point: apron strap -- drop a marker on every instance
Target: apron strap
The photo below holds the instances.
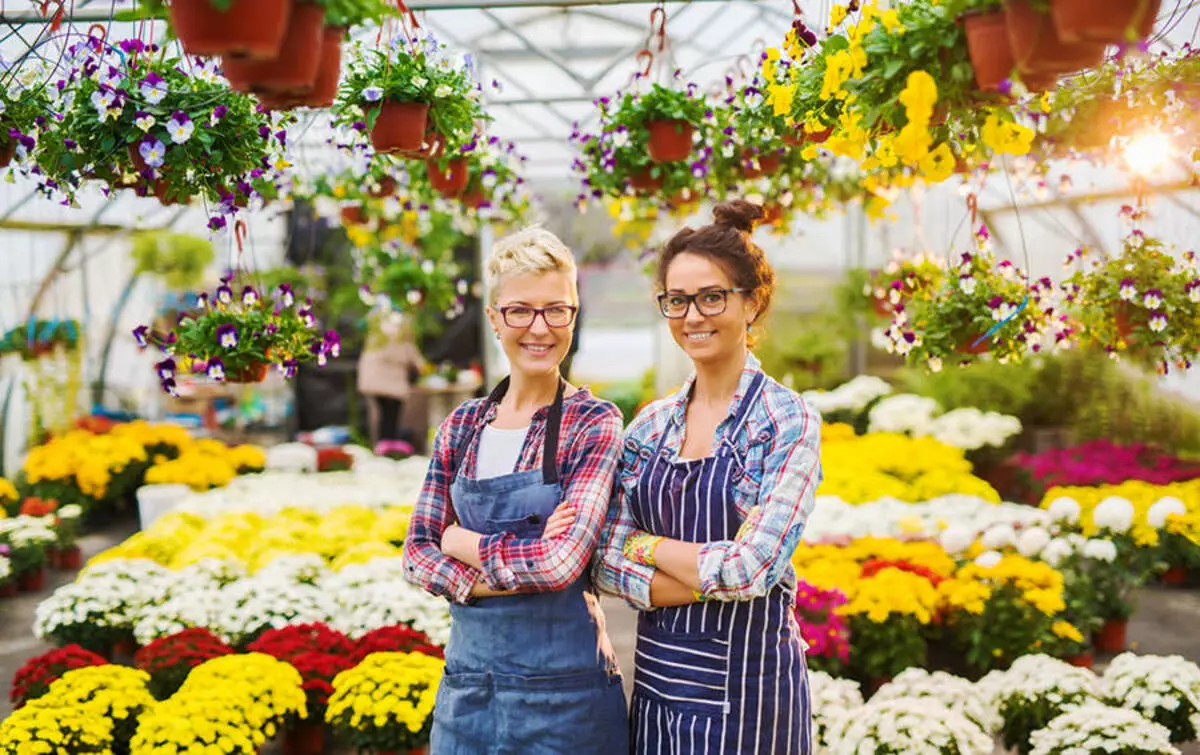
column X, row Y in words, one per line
column 553, row 428
column 743, row 413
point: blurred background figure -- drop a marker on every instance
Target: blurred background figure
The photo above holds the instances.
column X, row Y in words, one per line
column 390, row 365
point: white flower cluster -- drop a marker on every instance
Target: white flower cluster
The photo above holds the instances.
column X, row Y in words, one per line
column 853, row 396
column 832, row 698
column 1163, row 689
column 375, row 594
column 20, row 531
column 953, row 692
column 1096, row 727
column 269, row 493
column 905, row 413
column 252, row 605
column 956, row 520
column 967, row 428
column 112, row 594
column 1037, row 680
column 5, row 569
column 905, row 726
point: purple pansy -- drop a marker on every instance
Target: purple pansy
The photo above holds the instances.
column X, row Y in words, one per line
column 227, row 336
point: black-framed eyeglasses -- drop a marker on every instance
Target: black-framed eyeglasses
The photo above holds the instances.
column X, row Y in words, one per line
column 521, row 316
column 710, row 302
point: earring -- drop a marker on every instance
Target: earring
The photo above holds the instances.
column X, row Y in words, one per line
column 749, row 327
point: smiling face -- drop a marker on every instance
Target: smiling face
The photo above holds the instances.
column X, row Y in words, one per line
column 715, row 337
column 538, row 349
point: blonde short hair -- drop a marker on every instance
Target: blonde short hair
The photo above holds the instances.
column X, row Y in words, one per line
column 529, row 251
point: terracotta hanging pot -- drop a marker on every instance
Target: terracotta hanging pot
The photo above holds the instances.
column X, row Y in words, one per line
column 324, row 89
column 400, row 127
column 643, row 182
column 1112, row 636
column 354, row 215
column 670, row 141
column 294, row 69
column 473, row 197
column 1036, row 46
column 387, row 187
column 975, row 344
column 251, row 372
column 987, row 44
column 8, row 149
column 756, row 164
column 451, row 180
column 1112, row 22
column 1123, row 315
column 1039, row 82
column 772, row 214
column 250, row 28
column 167, row 194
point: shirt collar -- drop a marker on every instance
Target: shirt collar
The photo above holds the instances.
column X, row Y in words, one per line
column 679, row 410
column 490, row 407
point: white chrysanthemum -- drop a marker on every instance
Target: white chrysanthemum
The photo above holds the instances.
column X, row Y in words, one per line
column 1156, row 515
column 832, row 699
column 954, row 692
column 5, row 569
column 998, row 536
column 903, row 413
column 988, row 559
column 1032, row 541
column 1163, row 689
column 853, row 396
column 252, row 605
column 1099, row 549
column 1037, row 683
column 1114, row 513
column 956, row 538
column 907, row 726
column 1056, row 551
column 1065, row 510
column 183, row 610
column 298, row 568
column 1096, row 727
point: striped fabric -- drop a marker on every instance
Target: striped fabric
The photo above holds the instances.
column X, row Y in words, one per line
column 715, row 677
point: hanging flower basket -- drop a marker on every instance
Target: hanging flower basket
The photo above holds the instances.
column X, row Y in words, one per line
column 400, row 127
column 230, row 28
column 987, row 44
column 1036, row 46
column 645, row 182
column 324, row 89
column 670, row 141
column 1039, row 82
column 451, row 180
column 250, row 372
column 1111, row 22
column 975, row 344
column 294, row 69
column 385, row 187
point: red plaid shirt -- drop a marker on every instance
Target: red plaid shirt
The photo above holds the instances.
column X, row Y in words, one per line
column 588, row 450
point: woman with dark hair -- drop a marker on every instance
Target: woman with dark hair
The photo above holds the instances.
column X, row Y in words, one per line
column 715, row 486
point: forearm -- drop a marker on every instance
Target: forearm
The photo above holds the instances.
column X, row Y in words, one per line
column 665, row 590
column 481, row 590
column 462, row 545
column 679, row 560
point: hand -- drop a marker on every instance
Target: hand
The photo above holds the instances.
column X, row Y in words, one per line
column 639, row 548
column 560, row 521
column 752, row 520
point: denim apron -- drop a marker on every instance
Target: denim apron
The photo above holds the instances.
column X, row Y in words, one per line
column 524, row 674
column 721, row 676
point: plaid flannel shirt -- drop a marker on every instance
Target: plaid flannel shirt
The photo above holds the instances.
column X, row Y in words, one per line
column 780, row 448
column 588, row 450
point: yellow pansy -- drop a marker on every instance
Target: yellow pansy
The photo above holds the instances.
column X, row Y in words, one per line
column 837, row 14
column 890, row 21
column 780, row 97
column 938, row 165
column 1006, row 138
column 919, row 96
column 912, row 143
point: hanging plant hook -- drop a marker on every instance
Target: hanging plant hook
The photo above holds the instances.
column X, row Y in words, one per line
column 973, row 208
column 239, row 235
column 658, row 16
column 644, row 54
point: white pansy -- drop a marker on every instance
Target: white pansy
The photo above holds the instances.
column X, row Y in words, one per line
column 1100, row 550
column 1157, row 514
column 1065, row 510
column 1114, row 513
column 443, row 91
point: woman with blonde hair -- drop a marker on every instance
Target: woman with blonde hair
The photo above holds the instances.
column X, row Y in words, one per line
column 716, row 484
column 506, row 524
column 387, row 370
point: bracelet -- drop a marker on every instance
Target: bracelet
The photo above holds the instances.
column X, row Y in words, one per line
column 639, row 548
column 699, row 597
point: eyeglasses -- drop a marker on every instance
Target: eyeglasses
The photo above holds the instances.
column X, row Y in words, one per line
column 710, row 302
column 557, row 316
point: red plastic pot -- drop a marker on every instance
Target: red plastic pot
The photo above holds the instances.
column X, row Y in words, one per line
column 645, row 183
column 294, row 69
column 254, row 372
column 387, row 187
column 354, row 215
column 1036, row 46
column 400, row 127
column 71, row 558
column 8, row 150
column 8, row 589
column 33, row 580
column 767, row 163
column 453, row 180
column 987, row 44
column 324, row 89
column 1111, row 22
column 1111, row 637
column 249, row 28
column 1082, row 660
column 304, row 739
column 670, row 141
column 1175, row 575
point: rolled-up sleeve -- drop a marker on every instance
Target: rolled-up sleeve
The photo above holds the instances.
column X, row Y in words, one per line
column 751, row 565
column 424, row 563
column 541, row 565
column 612, row 572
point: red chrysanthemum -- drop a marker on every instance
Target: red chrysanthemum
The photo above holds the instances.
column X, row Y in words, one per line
column 34, row 678
column 395, row 639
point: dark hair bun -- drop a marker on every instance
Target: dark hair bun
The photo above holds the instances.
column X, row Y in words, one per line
column 738, row 214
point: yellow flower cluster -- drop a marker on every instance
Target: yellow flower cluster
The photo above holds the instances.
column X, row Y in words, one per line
column 387, row 690
column 89, row 461
column 151, row 435
column 8, row 494
column 205, row 464
column 1142, row 495
column 1040, row 585
column 860, row 469
column 85, row 710
column 894, row 592
column 344, row 535
column 231, row 704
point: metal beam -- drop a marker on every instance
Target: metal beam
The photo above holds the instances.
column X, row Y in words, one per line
column 33, row 226
column 1099, row 196
column 519, row 54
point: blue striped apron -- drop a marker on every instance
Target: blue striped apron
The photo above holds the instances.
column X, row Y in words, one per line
column 715, row 677
column 524, row 675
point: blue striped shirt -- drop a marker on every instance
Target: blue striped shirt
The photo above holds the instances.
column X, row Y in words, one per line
column 780, row 448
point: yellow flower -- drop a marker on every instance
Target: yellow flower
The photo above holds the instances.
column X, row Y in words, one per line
column 1067, row 631
column 1006, row 138
column 8, row 491
column 912, row 143
column 780, row 96
column 837, row 14
column 938, row 165
column 890, row 21
column 919, row 96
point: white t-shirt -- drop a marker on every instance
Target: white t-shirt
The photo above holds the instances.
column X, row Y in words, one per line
column 499, row 451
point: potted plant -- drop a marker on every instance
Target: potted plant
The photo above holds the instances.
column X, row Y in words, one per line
column 39, row 338
column 1095, row 727
column 670, row 118
column 385, row 703
column 8, row 583
column 985, row 23
column 981, row 306
column 33, row 679
column 1036, row 45
column 1142, row 302
column 825, row 631
column 28, row 538
column 1160, row 688
column 887, row 636
column 151, row 121
column 412, row 98
column 905, row 277
column 1036, row 690
column 168, row 660
column 23, row 114
column 237, row 337
column 1116, row 23
column 898, row 726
